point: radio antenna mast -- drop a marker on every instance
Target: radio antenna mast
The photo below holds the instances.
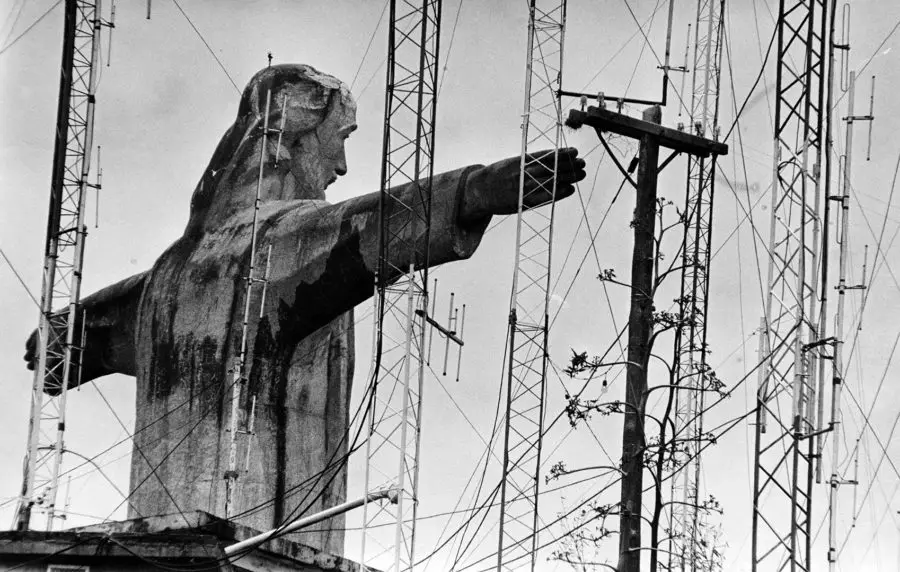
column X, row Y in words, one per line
column 59, row 333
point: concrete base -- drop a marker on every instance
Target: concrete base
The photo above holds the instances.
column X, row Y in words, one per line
column 196, row 538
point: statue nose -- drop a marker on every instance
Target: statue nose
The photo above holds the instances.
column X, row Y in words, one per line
column 340, row 168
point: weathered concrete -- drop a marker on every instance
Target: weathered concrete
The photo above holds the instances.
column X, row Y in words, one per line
column 195, row 539
column 177, row 326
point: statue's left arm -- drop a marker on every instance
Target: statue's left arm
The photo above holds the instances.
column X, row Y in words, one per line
column 108, row 345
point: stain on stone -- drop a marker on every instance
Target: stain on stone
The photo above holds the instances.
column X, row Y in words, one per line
column 206, row 272
column 264, row 350
column 313, row 305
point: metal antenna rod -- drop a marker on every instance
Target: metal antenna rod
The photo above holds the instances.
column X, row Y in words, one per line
column 97, row 187
column 462, row 326
column 871, row 120
column 687, row 49
column 112, row 24
column 433, row 295
column 451, row 327
column 838, row 368
column 238, row 380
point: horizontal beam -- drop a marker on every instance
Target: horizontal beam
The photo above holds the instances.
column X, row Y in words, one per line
column 605, row 120
column 449, row 333
column 611, row 99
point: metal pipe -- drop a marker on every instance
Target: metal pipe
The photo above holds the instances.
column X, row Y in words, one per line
column 254, row 541
column 238, row 372
column 837, row 376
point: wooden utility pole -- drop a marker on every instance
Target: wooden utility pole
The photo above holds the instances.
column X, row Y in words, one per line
column 652, row 136
column 639, row 330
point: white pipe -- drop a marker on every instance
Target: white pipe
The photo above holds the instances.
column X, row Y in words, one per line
column 391, row 494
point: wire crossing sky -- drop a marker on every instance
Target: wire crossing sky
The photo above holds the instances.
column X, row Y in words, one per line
column 169, row 92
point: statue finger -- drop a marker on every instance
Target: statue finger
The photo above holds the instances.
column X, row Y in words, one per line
column 548, row 157
column 568, row 163
column 543, row 180
column 563, row 191
column 537, row 194
column 571, row 176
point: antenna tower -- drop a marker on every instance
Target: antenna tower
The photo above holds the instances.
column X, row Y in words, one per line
column 60, row 334
column 528, row 315
column 401, row 297
column 690, row 339
column 787, row 398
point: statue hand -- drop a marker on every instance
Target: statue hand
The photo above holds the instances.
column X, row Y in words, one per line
column 494, row 189
column 31, row 350
column 32, row 355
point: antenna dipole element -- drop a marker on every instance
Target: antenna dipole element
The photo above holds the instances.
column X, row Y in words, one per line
column 837, row 364
column 393, row 416
column 59, row 344
column 238, row 382
column 528, row 314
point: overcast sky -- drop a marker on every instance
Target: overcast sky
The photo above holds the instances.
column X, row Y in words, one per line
column 163, row 104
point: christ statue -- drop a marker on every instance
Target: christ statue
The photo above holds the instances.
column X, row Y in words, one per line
column 177, row 327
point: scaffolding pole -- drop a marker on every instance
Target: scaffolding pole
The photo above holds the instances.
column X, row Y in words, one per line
column 401, row 298
column 786, row 399
column 690, row 338
column 60, row 333
column 528, row 315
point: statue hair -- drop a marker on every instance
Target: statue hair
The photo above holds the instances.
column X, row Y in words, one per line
column 310, row 96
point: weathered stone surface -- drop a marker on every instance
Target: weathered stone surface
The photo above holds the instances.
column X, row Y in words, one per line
column 177, row 327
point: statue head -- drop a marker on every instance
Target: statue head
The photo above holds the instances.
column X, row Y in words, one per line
column 319, row 114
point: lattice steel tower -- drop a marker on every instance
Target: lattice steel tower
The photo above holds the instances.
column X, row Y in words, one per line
column 786, row 398
column 394, row 422
column 528, row 316
column 690, row 339
column 60, row 333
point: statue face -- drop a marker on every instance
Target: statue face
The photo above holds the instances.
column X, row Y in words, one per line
column 321, row 158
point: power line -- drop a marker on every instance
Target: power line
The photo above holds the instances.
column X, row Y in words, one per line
column 369, row 46
column 19, row 277
column 759, row 76
column 29, row 28
column 450, row 46
column 208, row 47
column 12, row 27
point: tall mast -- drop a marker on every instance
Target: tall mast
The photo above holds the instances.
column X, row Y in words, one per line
column 60, row 333
column 528, row 313
column 786, row 398
column 690, row 340
column 401, row 307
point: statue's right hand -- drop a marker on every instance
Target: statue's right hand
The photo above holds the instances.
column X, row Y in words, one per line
column 494, row 189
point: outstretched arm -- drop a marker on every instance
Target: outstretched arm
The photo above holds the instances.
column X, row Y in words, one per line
column 338, row 245
column 109, row 332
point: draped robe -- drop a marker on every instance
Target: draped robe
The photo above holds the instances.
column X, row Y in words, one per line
column 184, row 317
